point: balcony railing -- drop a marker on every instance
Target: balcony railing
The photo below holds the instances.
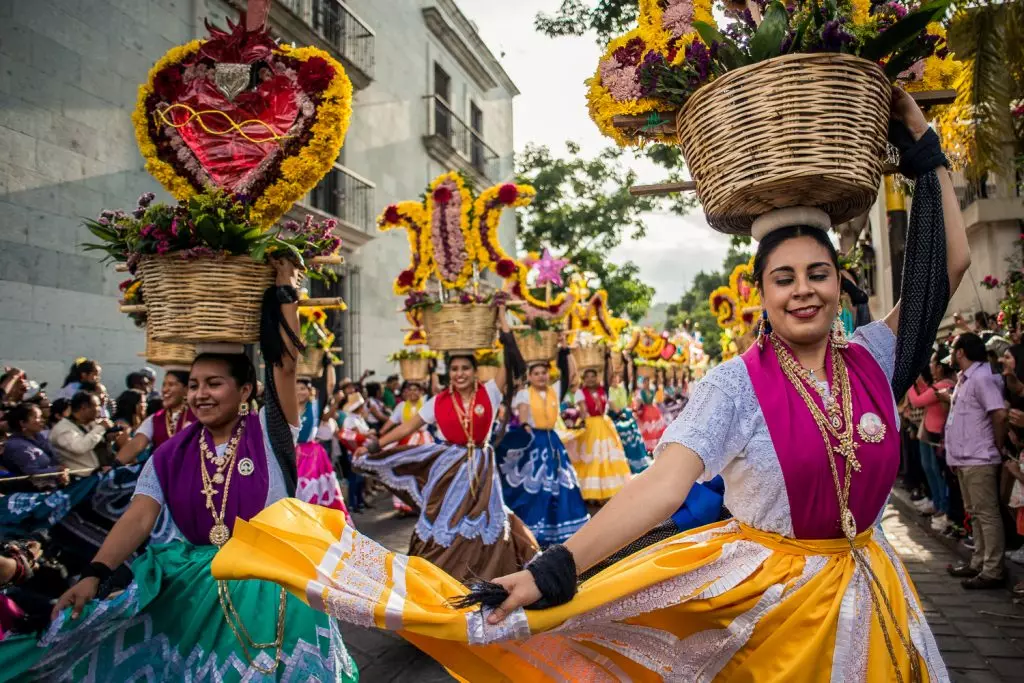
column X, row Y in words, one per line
column 338, row 25
column 445, row 126
column 345, row 194
column 989, row 186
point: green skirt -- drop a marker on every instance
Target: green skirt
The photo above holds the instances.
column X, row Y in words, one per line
column 169, row 626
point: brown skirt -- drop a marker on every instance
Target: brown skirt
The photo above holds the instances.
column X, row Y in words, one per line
column 464, row 527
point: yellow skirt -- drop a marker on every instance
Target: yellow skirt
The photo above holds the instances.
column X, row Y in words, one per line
column 721, row 603
column 599, row 459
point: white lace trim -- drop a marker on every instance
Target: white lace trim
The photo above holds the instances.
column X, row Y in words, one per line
column 853, row 631
column 513, row 627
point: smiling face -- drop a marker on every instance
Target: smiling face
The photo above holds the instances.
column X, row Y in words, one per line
column 800, row 290
column 302, row 392
column 1009, row 362
column 539, row 377
column 173, row 392
column 413, row 393
column 462, row 372
column 34, row 422
column 213, row 394
column 590, row 379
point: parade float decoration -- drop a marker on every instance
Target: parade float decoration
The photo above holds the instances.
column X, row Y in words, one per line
column 737, row 308
column 649, row 349
column 489, row 363
column 453, row 238
column 540, row 310
column 591, row 327
column 786, row 104
column 236, row 128
column 414, row 364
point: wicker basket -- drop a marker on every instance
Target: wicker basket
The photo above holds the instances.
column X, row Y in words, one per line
column 204, row 300
column 537, row 346
column 797, row 130
column 163, row 353
column 414, row 369
column 646, row 371
column 310, row 363
column 485, row 373
column 589, row 357
column 455, row 327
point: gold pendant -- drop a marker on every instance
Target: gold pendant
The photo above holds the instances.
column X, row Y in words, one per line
column 870, row 428
column 246, row 467
column 219, row 461
column 219, row 535
column 849, row 525
column 218, row 478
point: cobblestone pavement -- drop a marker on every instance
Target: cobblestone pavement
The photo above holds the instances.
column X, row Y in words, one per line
column 980, row 633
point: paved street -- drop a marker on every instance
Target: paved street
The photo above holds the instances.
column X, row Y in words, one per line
column 981, row 634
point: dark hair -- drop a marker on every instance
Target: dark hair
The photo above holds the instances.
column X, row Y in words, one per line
column 972, row 346
column 153, row 405
column 239, row 365
column 89, row 387
column 127, row 403
column 81, row 399
column 304, row 380
column 79, row 369
column 587, row 371
column 1017, row 351
column 135, row 380
column 538, row 364
column 468, row 356
column 409, row 383
column 18, row 415
column 391, row 378
column 180, row 375
column 941, row 351
column 773, row 239
column 57, row 410
column 373, row 390
column 981, row 319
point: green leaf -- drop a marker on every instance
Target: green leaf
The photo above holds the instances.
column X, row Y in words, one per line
column 767, row 42
column 728, row 53
column 801, row 31
column 903, row 31
column 209, row 231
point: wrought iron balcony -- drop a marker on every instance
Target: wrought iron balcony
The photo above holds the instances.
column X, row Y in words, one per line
column 347, row 196
column 452, row 142
column 343, row 31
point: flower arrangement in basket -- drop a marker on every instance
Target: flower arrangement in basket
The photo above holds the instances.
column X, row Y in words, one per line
column 156, row 352
column 540, row 311
column 319, row 340
column 453, row 237
column 786, row 104
column 237, row 128
column 414, row 364
column 488, row 364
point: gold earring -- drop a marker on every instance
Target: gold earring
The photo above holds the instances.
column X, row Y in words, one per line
column 764, row 328
column 839, row 334
column 243, row 408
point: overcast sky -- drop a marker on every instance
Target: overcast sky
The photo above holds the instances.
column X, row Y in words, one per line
column 552, row 109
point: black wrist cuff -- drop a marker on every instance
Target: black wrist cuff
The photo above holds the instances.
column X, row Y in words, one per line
column 97, row 570
column 917, row 157
column 554, row 572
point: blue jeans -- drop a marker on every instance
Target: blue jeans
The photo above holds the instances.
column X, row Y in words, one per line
column 933, row 474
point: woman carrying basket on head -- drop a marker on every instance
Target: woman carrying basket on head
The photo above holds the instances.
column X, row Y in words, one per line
column 175, row 621
column 464, row 525
column 803, row 428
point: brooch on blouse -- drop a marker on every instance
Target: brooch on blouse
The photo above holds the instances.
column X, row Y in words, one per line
column 871, row 429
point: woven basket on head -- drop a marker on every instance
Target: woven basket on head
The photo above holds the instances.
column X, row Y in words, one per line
column 452, row 327
column 485, row 373
column 310, row 363
column 646, row 371
column 414, row 369
column 796, row 130
column 589, row 357
column 163, row 353
column 537, row 346
column 204, row 300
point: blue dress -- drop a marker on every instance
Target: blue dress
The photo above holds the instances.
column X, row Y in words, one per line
column 539, row 482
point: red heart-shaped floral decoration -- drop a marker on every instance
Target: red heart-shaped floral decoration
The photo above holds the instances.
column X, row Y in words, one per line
column 240, row 113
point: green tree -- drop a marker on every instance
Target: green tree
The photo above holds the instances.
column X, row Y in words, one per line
column 606, row 18
column 583, row 210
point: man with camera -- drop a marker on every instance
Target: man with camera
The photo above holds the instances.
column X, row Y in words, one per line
column 77, row 439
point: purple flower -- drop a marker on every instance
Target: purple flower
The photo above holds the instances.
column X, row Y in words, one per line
column 146, row 199
column 139, row 212
column 833, row 37
column 103, row 220
column 629, row 54
column 650, row 73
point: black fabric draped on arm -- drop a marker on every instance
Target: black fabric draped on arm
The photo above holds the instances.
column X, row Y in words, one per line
column 272, row 326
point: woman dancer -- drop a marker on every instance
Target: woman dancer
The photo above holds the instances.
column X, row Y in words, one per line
column 464, row 525
column 222, row 469
column 539, row 482
column 800, row 586
column 597, row 454
column 173, row 417
column 649, row 418
column 410, row 406
column 625, row 424
column 317, row 482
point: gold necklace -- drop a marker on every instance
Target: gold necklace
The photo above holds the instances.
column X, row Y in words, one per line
column 465, row 418
column 219, row 533
column 847, row 448
column 231, row 616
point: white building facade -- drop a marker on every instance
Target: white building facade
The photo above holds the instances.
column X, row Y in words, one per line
column 429, row 97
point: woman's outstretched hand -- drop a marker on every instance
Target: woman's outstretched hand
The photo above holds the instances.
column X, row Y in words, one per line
column 907, row 111
column 522, row 592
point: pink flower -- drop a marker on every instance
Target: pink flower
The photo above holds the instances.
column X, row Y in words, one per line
column 162, row 247
column 678, row 18
column 622, row 82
